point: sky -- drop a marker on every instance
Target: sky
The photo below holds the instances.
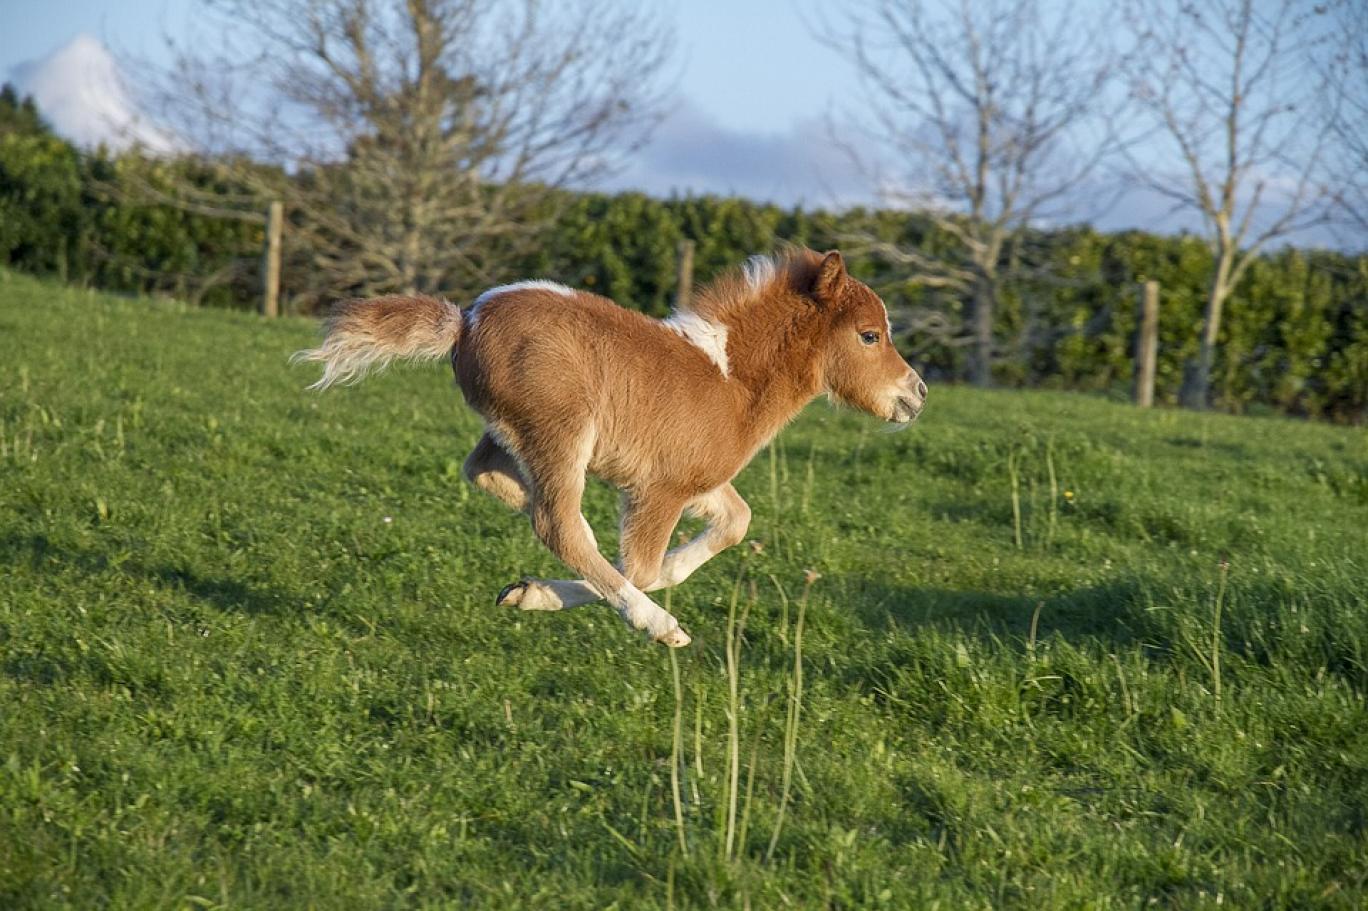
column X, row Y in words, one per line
column 754, row 95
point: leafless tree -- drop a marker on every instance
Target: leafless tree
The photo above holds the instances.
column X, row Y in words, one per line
column 980, row 112
column 416, row 144
column 1347, row 107
column 1228, row 89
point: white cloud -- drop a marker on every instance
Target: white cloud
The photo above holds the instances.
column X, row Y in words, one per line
column 78, row 89
column 691, row 152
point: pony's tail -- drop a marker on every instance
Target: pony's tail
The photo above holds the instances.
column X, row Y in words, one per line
column 365, row 335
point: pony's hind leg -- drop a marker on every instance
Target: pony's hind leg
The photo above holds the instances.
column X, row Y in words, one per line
column 493, row 469
column 547, row 594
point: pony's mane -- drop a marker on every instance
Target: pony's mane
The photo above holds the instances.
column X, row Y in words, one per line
column 790, row 270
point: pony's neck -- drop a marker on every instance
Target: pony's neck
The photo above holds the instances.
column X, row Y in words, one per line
column 776, row 360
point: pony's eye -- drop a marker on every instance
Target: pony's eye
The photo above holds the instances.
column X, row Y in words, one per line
column 869, row 338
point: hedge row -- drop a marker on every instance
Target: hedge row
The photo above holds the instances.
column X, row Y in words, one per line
column 1295, row 338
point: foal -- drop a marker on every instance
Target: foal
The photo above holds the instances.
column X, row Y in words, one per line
column 668, row 411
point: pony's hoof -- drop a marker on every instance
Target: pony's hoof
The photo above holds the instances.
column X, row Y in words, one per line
column 529, row 594
column 512, row 595
column 675, row 638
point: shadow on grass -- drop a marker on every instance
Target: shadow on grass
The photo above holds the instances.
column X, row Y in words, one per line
column 1114, row 615
column 1110, row 612
column 48, row 657
column 46, row 556
column 1263, row 623
column 224, row 594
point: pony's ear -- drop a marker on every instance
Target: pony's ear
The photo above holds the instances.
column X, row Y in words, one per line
column 831, row 275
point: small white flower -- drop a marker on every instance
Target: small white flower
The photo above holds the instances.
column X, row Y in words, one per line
column 389, row 520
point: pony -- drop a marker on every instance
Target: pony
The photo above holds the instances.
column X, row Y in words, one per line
column 669, row 411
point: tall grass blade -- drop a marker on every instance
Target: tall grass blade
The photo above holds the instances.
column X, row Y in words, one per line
column 776, row 515
column 1216, row 632
column 795, row 708
column 733, row 721
column 1054, row 492
column 750, row 786
column 809, row 478
column 1012, row 473
column 676, row 751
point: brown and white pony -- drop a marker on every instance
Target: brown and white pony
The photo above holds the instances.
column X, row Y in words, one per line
column 669, row 411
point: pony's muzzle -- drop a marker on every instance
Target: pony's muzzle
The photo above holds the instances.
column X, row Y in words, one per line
column 910, row 402
column 905, row 411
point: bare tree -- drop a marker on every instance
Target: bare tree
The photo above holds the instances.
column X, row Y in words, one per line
column 1228, row 88
column 416, row 144
column 1347, row 107
column 980, row 113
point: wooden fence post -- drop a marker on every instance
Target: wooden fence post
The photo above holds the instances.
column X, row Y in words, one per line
column 684, row 275
column 1147, row 344
column 270, row 262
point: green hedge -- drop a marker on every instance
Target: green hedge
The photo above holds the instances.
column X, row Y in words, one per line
column 1295, row 338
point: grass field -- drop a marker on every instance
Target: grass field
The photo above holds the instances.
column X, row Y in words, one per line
column 1062, row 653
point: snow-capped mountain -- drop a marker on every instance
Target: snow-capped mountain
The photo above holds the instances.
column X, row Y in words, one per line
column 79, row 90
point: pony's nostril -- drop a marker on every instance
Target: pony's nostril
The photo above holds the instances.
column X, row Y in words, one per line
column 921, row 389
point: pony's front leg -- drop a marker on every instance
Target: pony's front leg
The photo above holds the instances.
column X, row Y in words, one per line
column 557, row 519
column 646, row 526
column 727, row 516
column 647, row 521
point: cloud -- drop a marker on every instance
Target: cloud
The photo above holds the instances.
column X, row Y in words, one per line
column 79, row 91
column 691, row 152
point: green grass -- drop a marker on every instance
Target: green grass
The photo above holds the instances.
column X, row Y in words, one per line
column 249, row 656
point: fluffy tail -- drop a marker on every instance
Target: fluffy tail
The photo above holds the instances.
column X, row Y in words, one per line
column 365, row 335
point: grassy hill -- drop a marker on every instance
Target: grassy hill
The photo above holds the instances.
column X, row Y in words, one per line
column 1062, row 653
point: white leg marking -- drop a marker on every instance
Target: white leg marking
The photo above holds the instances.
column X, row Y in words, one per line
column 681, row 562
column 642, row 613
column 556, row 594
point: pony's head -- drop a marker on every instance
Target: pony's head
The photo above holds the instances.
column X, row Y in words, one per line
column 862, row 368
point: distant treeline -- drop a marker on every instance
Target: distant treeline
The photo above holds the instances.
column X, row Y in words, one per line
column 1295, row 338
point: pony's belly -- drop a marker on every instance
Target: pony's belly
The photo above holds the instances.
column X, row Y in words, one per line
column 671, row 470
